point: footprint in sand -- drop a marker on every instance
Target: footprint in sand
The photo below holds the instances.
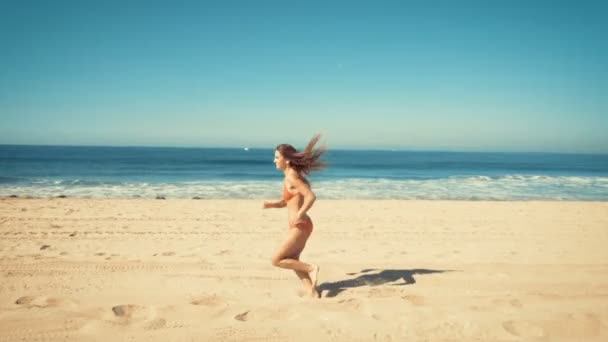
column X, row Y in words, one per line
column 131, row 313
column 126, row 311
column 168, row 253
column 42, row 301
column 242, row 316
column 207, row 300
column 25, row 300
column 142, row 316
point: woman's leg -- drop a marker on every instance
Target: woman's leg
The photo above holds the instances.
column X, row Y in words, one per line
column 288, row 257
column 292, row 246
column 304, row 278
column 310, row 284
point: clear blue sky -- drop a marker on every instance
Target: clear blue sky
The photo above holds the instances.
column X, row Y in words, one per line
column 423, row 75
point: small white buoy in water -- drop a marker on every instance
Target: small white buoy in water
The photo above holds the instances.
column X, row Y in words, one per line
column 246, row 149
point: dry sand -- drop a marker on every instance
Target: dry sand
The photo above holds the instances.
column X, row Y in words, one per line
column 199, row 270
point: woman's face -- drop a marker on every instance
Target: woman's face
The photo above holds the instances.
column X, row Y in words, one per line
column 279, row 161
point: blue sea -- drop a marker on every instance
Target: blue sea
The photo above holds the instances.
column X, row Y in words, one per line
column 227, row 173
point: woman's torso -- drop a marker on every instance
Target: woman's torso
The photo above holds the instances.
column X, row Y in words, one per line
column 294, row 201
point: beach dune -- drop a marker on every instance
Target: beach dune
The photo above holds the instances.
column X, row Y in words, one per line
column 199, row 270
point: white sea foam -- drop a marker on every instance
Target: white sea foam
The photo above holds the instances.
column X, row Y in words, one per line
column 511, row 187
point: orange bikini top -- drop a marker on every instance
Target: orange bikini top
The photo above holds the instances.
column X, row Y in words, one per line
column 286, row 194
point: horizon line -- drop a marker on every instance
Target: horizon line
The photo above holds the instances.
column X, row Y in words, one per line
column 342, row 148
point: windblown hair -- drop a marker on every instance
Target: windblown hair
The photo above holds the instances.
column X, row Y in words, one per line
column 306, row 161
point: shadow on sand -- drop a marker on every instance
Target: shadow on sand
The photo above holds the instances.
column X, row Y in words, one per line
column 379, row 277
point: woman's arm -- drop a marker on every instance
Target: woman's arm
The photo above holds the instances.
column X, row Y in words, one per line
column 279, row 204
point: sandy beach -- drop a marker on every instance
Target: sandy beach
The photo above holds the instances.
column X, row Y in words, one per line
column 200, row 270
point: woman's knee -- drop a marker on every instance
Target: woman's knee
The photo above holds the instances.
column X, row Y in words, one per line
column 276, row 260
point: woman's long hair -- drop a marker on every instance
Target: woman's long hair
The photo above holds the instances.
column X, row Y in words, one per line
column 306, row 161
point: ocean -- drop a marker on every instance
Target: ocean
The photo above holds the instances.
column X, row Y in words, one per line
column 239, row 173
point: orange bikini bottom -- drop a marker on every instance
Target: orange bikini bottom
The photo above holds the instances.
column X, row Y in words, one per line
column 305, row 224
